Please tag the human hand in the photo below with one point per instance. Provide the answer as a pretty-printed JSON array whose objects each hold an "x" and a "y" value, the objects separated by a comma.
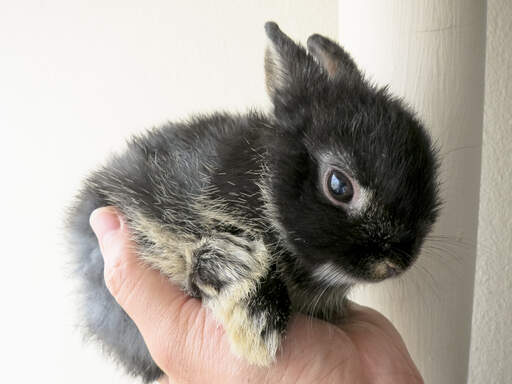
[{"x": 188, "y": 344}]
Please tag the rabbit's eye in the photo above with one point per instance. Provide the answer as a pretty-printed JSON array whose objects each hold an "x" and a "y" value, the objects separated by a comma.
[{"x": 339, "y": 186}]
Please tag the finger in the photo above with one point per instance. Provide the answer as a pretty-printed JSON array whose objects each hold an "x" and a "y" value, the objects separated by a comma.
[
  {"x": 357, "y": 313},
  {"x": 380, "y": 343}
]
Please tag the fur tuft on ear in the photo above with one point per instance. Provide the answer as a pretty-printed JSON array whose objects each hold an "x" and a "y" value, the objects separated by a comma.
[{"x": 333, "y": 59}]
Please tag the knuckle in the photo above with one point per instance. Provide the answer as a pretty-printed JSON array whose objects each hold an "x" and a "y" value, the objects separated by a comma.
[
  {"x": 118, "y": 266},
  {"x": 119, "y": 277},
  {"x": 115, "y": 278}
]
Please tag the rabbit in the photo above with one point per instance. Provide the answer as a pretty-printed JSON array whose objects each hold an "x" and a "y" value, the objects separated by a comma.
[{"x": 266, "y": 214}]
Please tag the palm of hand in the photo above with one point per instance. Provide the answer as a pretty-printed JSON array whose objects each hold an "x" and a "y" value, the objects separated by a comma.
[{"x": 365, "y": 349}]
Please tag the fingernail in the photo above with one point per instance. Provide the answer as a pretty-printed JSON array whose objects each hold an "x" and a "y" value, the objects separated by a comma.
[{"x": 104, "y": 221}]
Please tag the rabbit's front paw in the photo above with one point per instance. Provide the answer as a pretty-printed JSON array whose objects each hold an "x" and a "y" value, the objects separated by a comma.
[
  {"x": 255, "y": 325},
  {"x": 236, "y": 280},
  {"x": 253, "y": 336}
]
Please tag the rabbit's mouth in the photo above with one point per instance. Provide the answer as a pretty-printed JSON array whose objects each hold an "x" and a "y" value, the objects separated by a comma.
[{"x": 382, "y": 268}]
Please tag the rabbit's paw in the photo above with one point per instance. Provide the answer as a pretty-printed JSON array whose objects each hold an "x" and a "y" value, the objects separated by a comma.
[
  {"x": 227, "y": 263},
  {"x": 253, "y": 336},
  {"x": 236, "y": 280},
  {"x": 255, "y": 325}
]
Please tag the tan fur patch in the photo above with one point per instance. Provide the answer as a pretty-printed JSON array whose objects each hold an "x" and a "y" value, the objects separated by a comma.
[
  {"x": 171, "y": 253},
  {"x": 245, "y": 333}
]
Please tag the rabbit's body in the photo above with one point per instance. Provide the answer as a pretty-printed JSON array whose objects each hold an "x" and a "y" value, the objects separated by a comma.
[
  {"x": 207, "y": 183},
  {"x": 261, "y": 215}
]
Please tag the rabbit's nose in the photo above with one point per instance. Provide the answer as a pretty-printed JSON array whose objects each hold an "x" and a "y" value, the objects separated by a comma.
[{"x": 386, "y": 269}]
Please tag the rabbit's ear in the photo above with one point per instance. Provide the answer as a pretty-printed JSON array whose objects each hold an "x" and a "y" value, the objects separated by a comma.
[
  {"x": 287, "y": 65},
  {"x": 334, "y": 60}
]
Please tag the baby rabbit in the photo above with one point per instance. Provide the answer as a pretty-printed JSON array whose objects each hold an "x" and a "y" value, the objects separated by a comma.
[{"x": 261, "y": 215}]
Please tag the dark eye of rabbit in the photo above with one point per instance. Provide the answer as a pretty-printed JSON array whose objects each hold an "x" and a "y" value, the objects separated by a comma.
[{"x": 340, "y": 186}]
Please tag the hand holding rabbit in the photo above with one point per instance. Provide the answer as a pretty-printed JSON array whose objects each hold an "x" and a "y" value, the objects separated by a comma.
[{"x": 365, "y": 348}]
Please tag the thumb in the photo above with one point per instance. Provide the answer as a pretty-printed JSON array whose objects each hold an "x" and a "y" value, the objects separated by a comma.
[
  {"x": 120, "y": 263},
  {"x": 155, "y": 305}
]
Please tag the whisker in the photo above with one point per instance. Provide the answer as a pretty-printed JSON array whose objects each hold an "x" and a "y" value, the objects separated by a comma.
[
  {"x": 457, "y": 149},
  {"x": 424, "y": 274}
]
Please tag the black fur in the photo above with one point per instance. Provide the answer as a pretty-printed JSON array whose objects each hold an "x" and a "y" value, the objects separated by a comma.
[{"x": 266, "y": 171}]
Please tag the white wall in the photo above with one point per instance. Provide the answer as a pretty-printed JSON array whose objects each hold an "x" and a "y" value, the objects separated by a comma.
[
  {"x": 76, "y": 78},
  {"x": 491, "y": 337},
  {"x": 432, "y": 53}
]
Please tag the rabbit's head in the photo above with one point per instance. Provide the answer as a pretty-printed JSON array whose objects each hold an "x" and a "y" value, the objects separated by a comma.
[{"x": 351, "y": 184}]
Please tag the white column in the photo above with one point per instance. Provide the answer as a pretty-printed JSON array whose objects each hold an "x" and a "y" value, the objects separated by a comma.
[
  {"x": 431, "y": 53},
  {"x": 491, "y": 336}
]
